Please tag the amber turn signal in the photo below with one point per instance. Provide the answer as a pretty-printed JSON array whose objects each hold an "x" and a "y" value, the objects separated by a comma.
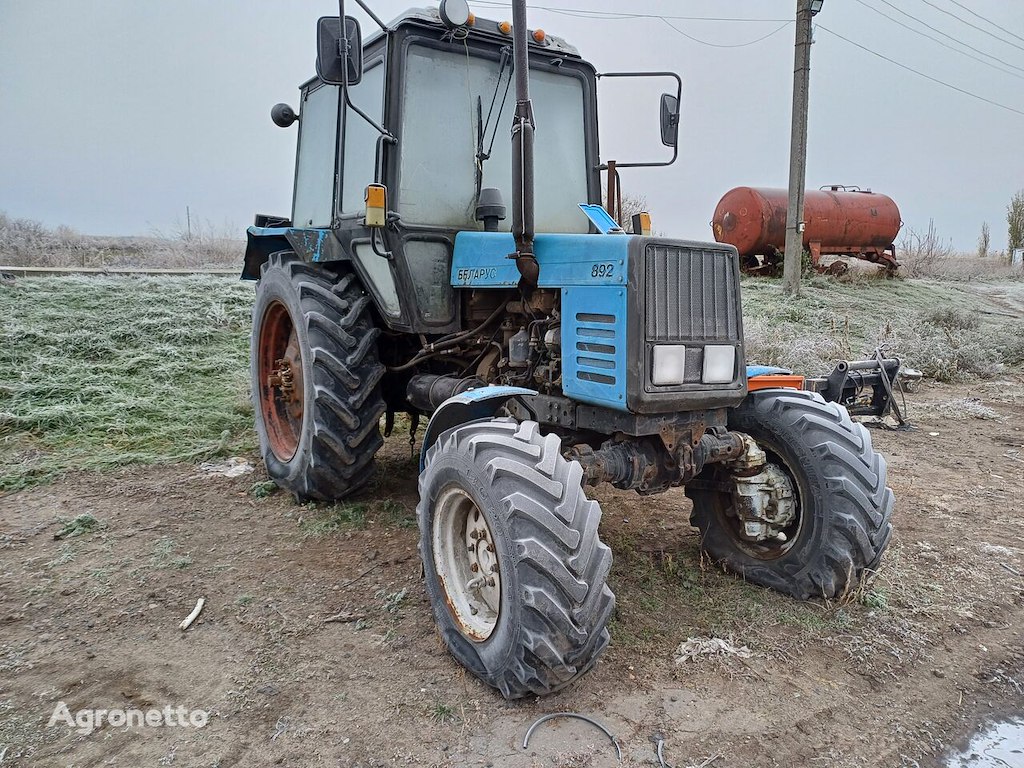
[{"x": 376, "y": 205}]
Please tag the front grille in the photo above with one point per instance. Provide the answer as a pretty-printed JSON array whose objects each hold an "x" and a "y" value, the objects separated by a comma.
[{"x": 690, "y": 294}]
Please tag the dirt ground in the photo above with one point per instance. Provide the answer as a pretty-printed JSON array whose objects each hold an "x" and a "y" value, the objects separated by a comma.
[{"x": 892, "y": 675}]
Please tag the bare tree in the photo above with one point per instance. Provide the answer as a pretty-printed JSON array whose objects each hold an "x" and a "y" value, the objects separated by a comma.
[
  {"x": 631, "y": 205},
  {"x": 1015, "y": 222},
  {"x": 984, "y": 240},
  {"x": 924, "y": 255}
]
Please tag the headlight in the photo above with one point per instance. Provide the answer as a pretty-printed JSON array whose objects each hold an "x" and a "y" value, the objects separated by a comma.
[
  {"x": 719, "y": 364},
  {"x": 668, "y": 364}
]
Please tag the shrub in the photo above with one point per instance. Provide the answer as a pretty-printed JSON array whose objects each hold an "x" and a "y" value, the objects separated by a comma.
[
  {"x": 944, "y": 344},
  {"x": 951, "y": 319},
  {"x": 28, "y": 243}
]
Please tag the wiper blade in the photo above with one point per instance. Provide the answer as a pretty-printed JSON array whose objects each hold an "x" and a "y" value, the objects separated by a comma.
[
  {"x": 479, "y": 127},
  {"x": 504, "y": 62}
]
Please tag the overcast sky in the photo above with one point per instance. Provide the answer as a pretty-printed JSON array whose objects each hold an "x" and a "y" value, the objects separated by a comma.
[{"x": 117, "y": 114}]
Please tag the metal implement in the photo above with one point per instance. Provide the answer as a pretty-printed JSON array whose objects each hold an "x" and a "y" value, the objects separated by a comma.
[
  {"x": 584, "y": 718},
  {"x": 838, "y": 221},
  {"x": 863, "y": 387}
]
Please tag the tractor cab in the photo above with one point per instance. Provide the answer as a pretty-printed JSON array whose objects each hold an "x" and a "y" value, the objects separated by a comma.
[{"x": 422, "y": 139}]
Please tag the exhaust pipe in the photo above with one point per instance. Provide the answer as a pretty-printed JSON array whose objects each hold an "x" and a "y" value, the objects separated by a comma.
[{"x": 522, "y": 154}]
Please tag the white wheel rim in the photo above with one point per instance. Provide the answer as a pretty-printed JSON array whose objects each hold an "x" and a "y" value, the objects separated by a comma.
[{"x": 466, "y": 562}]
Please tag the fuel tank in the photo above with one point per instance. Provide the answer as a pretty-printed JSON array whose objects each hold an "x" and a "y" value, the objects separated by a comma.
[{"x": 838, "y": 220}]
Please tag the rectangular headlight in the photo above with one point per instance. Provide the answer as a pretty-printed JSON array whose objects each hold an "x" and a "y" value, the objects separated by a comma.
[
  {"x": 668, "y": 364},
  {"x": 719, "y": 364}
]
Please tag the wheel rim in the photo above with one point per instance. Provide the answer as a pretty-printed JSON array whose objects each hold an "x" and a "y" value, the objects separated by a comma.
[
  {"x": 770, "y": 549},
  {"x": 466, "y": 562},
  {"x": 280, "y": 381}
]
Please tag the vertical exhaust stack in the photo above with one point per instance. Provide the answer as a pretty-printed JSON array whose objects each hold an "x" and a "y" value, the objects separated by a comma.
[{"x": 522, "y": 154}]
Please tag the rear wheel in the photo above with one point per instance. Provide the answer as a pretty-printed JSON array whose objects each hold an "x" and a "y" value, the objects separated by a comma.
[
  {"x": 514, "y": 568},
  {"x": 315, "y": 379},
  {"x": 843, "y": 508}
]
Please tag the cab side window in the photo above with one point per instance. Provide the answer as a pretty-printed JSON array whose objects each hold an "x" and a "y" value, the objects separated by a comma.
[{"x": 314, "y": 165}]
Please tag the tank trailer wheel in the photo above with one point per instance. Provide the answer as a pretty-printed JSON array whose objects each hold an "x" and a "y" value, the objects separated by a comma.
[
  {"x": 514, "y": 568},
  {"x": 315, "y": 379},
  {"x": 823, "y": 461}
]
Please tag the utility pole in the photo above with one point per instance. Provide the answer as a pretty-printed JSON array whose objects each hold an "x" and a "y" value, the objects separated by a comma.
[{"x": 805, "y": 11}]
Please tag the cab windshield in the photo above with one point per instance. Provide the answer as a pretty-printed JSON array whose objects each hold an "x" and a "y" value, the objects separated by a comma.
[{"x": 447, "y": 97}]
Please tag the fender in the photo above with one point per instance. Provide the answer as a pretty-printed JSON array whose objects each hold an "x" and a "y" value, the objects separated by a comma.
[
  {"x": 310, "y": 244},
  {"x": 468, "y": 406}
]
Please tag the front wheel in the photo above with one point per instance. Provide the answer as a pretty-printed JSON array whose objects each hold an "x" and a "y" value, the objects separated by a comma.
[
  {"x": 841, "y": 526},
  {"x": 514, "y": 569}
]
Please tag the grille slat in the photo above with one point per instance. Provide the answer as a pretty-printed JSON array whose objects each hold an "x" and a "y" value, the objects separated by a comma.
[
  {"x": 690, "y": 295},
  {"x": 597, "y": 364}
]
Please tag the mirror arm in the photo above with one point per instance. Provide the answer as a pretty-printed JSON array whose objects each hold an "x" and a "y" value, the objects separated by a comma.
[
  {"x": 679, "y": 100},
  {"x": 373, "y": 16},
  {"x": 343, "y": 48},
  {"x": 384, "y": 132}
]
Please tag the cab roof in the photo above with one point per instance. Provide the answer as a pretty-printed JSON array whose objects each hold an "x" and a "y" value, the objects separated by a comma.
[{"x": 481, "y": 27}]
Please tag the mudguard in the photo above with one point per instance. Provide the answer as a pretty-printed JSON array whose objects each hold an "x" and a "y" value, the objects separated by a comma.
[{"x": 468, "y": 406}]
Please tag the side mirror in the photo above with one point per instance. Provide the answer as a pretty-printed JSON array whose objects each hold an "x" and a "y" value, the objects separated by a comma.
[
  {"x": 669, "y": 119},
  {"x": 334, "y": 50}
]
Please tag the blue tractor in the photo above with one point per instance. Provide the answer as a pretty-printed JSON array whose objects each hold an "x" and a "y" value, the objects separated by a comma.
[{"x": 551, "y": 351}]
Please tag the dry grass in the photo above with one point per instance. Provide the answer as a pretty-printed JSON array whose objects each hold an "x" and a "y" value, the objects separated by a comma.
[
  {"x": 960, "y": 409},
  {"x": 27, "y": 243},
  {"x": 928, "y": 255},
  {"x": 949, "y": 344},
  {"x": 948, "y": 331}
]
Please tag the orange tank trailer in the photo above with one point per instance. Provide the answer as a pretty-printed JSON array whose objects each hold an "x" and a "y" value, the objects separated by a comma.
[{"x": 840, "y": 221}]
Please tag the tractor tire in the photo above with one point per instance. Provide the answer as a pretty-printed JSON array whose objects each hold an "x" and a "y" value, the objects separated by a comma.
[
  {"x": 315, "y": 379},
  {"x": 843, "y": 505},
  {"x": 499, "y": 504}
]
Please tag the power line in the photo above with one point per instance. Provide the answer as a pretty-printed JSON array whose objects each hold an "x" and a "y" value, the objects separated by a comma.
[
  {"x": 944, "y": 34},
  {"x": 921, "y": 74},
  {"x": 940, "y": 42},
  {"x": 612, "y": 15},
  {"x": 721, "y": 45},
  {"x": 989, "y": 21},
  {"x": 972, "y": 25},
  {"x": 618, "y": 15}
]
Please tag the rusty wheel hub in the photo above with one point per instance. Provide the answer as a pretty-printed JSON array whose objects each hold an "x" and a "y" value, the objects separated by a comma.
[{"x": 281, "y": 394}]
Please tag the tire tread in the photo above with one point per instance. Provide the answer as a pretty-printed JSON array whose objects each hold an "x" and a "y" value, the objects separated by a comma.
[
  {"x": 560, "y": 561},
  {"x": 859, "y": 516},
  {"x": 347, "y": 403}
]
